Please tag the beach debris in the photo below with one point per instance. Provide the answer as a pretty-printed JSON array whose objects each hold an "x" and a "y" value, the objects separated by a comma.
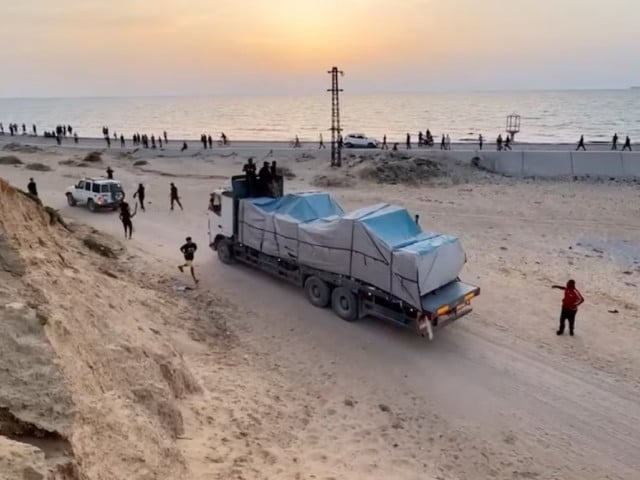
[
  {"x": 393, "y": 169},
  {"x": 93, "y": 157},
  {"x": 335, "y": 181},
  {"x": 16, "y": 147},
  {"x": 349, "y": 402},
  {"x": 615, "y": 310},
  {"x": 139, "y": 163},
  {"x": 10, "y": 160},
  {"x": 38, "y": 167},
  {"x": 384, "y": 408}
]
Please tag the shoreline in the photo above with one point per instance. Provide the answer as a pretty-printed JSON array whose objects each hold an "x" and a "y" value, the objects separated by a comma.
[{"x": 196, "y": 145}]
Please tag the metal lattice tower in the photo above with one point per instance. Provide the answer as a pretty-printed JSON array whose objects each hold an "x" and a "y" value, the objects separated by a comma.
[{"x": 336, "y": 147}]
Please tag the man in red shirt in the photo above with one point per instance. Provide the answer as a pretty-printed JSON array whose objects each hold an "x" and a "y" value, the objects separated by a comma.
[{"x": 572, "y": 299}]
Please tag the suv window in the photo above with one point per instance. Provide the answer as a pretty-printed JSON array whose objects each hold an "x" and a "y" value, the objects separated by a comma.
[
  {"x": 96, "y": 188},
  {"x": 87, "y": 186},
  {"x": 104, "y": 188},
  {"x": 80, "y": 184}
]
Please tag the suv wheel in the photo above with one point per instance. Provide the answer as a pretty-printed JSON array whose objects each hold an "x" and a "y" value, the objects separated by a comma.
[
  {"x": 91, "y": 205},
  {"x": 70, "y": 200}
]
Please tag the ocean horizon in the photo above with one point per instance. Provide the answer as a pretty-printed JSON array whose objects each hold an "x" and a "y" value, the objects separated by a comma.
[{"x": 547, "y": 116}]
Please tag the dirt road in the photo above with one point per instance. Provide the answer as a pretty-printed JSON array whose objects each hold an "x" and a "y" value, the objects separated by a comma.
[{"x": 475, "y": 400}]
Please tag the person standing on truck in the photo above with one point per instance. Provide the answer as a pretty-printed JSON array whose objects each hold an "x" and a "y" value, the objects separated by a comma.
[
  {"x": 173, "y": 195},
  {"x": 189, "y": 250},
  {"x": 249, "y": 170},
  {"x": 265, "y": 179},
  {"x": 570, "y": 303}
]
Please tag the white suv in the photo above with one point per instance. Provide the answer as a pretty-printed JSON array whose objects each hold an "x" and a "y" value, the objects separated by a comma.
[
  {"x": 95, "y": 193},
  {"x": 359, "y": 140}
]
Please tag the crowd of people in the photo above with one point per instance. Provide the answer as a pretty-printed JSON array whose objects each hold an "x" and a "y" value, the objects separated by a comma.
[{"x": 425, "y": 139}]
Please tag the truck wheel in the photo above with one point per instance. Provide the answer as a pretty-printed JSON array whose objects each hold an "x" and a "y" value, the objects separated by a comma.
[
  {"x": 225, "y": 251},
  {"x": 70, "y": 200},
  {"x": 318, "y": 292},
  {"x": 91, "y": 205},
  {"x": 345, "y": 304}
]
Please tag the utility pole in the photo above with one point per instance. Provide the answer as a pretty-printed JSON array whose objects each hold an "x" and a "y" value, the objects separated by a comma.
[{"x": 336, "y": 143}]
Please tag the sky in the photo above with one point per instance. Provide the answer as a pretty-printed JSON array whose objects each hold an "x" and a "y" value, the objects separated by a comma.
[{"x": 208, "y": 47}]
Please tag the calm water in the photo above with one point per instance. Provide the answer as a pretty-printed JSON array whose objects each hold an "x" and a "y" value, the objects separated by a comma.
[{"x": 546, "y": 116}]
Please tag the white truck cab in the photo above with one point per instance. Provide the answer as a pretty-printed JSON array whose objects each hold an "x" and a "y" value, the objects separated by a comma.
[{"x": 220, "y": 215}]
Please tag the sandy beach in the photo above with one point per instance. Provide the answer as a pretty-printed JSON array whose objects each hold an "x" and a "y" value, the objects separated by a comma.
[{"x": 266, "y": 386}]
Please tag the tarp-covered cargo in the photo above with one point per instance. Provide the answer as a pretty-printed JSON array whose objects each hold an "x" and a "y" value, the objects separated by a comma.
[{"x": 380, "y": 244}]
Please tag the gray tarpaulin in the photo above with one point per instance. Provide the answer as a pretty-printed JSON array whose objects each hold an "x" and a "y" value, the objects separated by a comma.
[{"x": 380, "y": 244}]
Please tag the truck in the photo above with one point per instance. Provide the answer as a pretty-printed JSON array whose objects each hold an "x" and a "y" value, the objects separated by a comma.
[{"x": 372, "y": 262}]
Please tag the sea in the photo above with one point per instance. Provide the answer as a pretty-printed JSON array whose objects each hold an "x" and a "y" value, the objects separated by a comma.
[{"x": 545, "y": 116}]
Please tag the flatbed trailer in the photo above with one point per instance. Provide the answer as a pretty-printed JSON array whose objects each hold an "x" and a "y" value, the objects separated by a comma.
[{"x": 349, "y": 298}]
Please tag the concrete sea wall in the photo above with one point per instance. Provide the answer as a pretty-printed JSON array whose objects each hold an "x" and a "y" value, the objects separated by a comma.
[{"x": 562, "y": 164}]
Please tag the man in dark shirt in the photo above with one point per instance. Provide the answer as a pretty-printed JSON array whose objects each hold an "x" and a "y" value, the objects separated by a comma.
[
  {"x": 189, "y": 250},
  {"x": 109, "y": 173},
  {"x": 140, "y": 195},
  {"x": 173, "y": 194},
  {"x": 32, "y": 188},
  {"x": 265, "y": 178},
  {"x": 125, "y": 217},
  {"x": 249, "y": 169},
  {"x": 570, "y": 303}
]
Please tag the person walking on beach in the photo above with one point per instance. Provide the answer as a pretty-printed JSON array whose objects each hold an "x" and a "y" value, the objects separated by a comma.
[
  {"x": 184, "y": 146},
  {"x": 384, "y": 142},
  {"x": 75, "y": 138},
  {"x": 32, "y": 187},
  {"x": 448, "y": 138},
  {"x": 581, "y": 144},
  {"x": 570, "y": 303},
  {"x": 499, "y": 142},
  {"x": 109, "y": 173},
  {"x": 507, "y": 143},
  {"x": 210, "y": 140},
  {"x": 153, "y": 141},
  {"x": 420, "y": 138},
  {"x": 173, "y": 195},
  {"x": 443, "y": 143},
  {"x": 223, "y": 138},
  {"x": 408, "y": 141},
  {"x": 614, "y": 142},
  {"x": 139, "y": 194},
  {"x": 35, "y": 130},
  {"x": 627, "y": 144},
  {"x": 189, "y": 251},
  {"x": 125, "y": 218},
  {"x": 321, "y": 143},
  {"x": 165, "y": 137},
  {"x": 121, "y": 141},
  {"x": 480, "y": 141},
  {"x": 159, "y": 142}
]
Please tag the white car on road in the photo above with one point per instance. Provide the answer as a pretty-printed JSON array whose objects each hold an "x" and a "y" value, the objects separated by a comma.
[
  {"x": 359, "y": 140},
  {"x": 95, "y": 193}
]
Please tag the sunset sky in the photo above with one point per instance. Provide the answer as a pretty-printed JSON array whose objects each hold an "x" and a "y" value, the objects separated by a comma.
[{"x": 167, "y": 47}]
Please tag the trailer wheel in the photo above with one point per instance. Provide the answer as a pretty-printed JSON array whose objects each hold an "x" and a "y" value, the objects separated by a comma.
[
  {"x": 345, "y": 304},
  {"x": 318, "y": 292},
  {"x": 225, "y": 252}
]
